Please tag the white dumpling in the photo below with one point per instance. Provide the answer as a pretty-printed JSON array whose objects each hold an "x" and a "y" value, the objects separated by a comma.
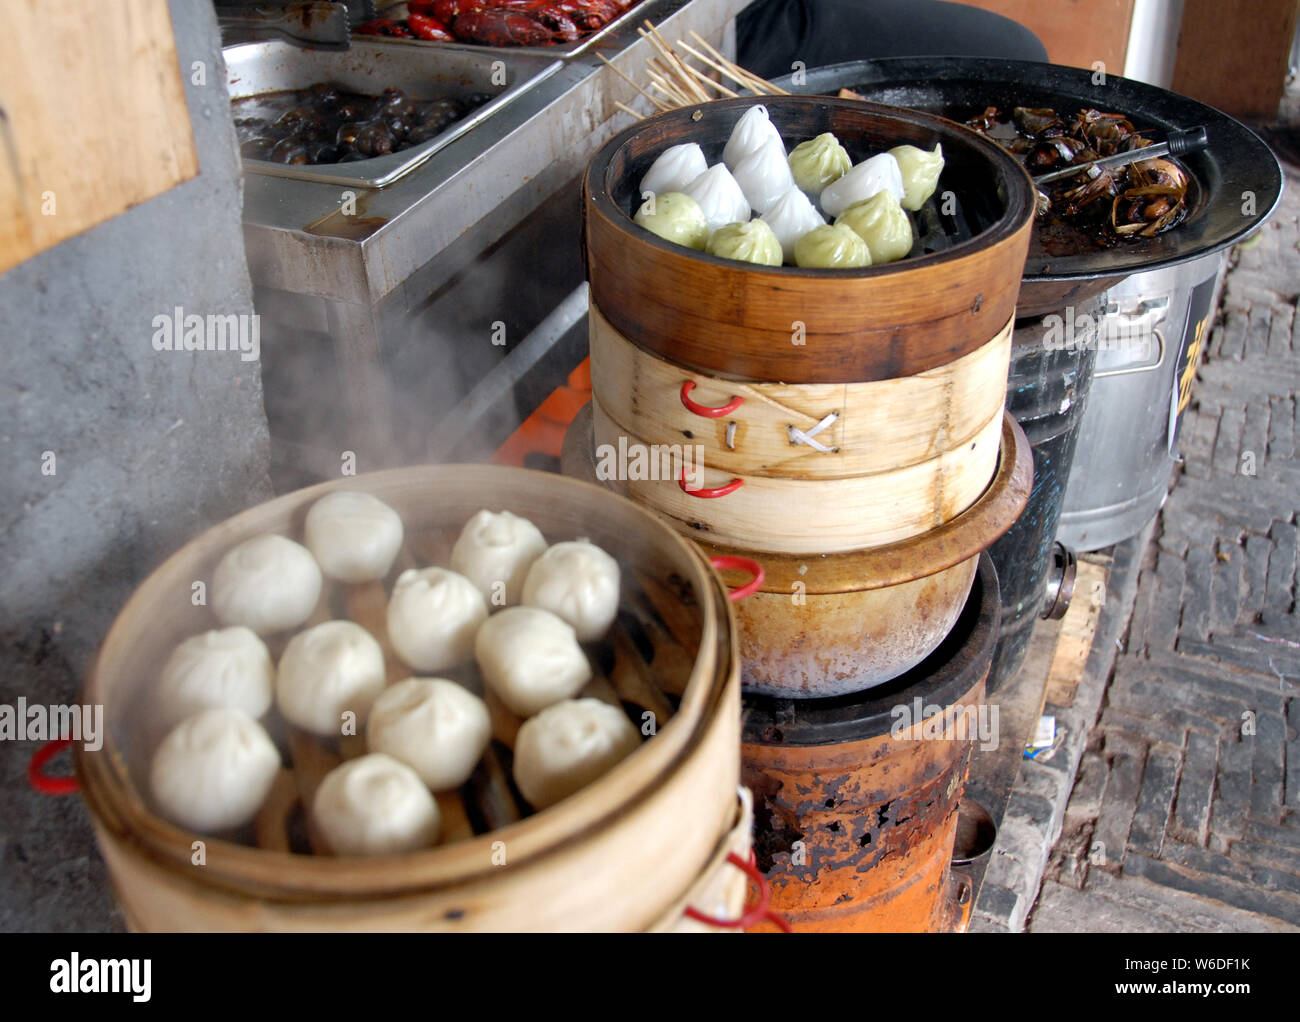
[
  {"x": 267, "y": 583},
  {"x": 764, "y": 176},
  {"x": 752, "y": 131},
  {"x": 374, "y": 805},
  {"x": 226, "y": 667},
  {"x": 353, "y": 536},
  {"x": 675, "y": 168},
  {"x": 433, "y": 616},
  {"x": 436, "y": 727},
  {"x": 862, "y": 182},
  {"x": 791, "y": 217},
  {"x": 213, "y": 771},
  {"x": 327, "y": 671},
  {"x": 569, "y": 745},
  {"x": 495, "y": 551},
  {"x": 530, "y": 659},
  {"x": 719, "y": 197},
  {"x": 578, "y": 582}
]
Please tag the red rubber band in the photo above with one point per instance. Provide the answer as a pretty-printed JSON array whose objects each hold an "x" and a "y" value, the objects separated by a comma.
[
  {"x": 750, "y": 916},
  {"x": 722, "y": 411},
  {"x": 42, "y": 781},
  {"x": 710, "y": 493},
  {"x": 729, "y": 562}
]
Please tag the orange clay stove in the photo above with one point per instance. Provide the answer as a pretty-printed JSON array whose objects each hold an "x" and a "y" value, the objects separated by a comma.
[{"x": 856, "y": 804}]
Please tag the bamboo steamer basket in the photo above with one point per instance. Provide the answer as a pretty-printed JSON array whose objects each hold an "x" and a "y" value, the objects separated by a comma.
[
  {"x": 758, "y": 429},
  {"x": 856, "y": 805},
  {"x": 740, "y": 321},
  {"x": 628, "y": 852},
  {"x": 830, "y": 624},
  {"x": 803, "y": 516}
]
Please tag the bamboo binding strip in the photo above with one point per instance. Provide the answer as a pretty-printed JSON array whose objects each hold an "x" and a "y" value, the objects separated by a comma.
[
  {"x": 873, "y": 427},
  {"x": 797, "y": 516}
]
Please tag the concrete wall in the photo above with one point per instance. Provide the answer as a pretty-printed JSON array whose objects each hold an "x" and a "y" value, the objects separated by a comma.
[{"x": 149, "y": 448}]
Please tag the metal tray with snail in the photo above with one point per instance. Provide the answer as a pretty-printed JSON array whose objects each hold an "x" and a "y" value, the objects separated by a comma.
[{"x": 1236, "y": 182}]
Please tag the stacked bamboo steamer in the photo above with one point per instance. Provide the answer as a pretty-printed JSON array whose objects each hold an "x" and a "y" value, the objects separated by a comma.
[
  {"x": 652, "y": 845},
  {"x": 849, "y": 423}
]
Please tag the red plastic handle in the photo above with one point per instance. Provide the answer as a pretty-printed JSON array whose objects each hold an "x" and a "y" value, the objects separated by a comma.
[
  {"x": 722, "y": 411},
  {"x": 756, "y": 913},
  {"x": 710, "y": 493},
  {"x": 42, "y": 781},
  {"x": 730, "y": 562}
]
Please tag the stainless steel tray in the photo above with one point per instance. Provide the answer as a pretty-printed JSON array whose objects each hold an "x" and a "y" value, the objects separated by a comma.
[
  {"x": 625, "y": 23},
  {"x": 274, "y": 66}
]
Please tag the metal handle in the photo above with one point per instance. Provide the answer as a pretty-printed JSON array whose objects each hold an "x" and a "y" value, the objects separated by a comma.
[
  {"x": 710, "y": 492},
  {"x": 43, "y": 782},
  {"x": 721, "y": 412},
  {"x": 1192, "y": 140},
  {"x": 729, "y": 562},
  {"x": 1160, "y": 337}
]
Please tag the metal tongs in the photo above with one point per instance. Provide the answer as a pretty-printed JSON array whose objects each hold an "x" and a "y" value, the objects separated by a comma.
[
  {"x": 317, "y": 23},
  {"x": 1179, "y": 143}
]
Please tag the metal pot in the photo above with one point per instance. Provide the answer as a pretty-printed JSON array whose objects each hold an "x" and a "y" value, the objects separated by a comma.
[{"x": 1152, "y": 333}]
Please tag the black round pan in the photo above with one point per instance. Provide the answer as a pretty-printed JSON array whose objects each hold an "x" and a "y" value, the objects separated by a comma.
[{"x": 1237, "y": 179}]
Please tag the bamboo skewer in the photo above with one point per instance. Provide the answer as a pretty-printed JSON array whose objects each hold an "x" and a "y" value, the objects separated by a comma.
[
  {"x": 658, "y": 103},
  {"x": 757, "y": 84}
]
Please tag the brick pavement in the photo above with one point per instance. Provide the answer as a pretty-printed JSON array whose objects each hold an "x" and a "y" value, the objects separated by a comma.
[{"x": 1185, "y": 814}]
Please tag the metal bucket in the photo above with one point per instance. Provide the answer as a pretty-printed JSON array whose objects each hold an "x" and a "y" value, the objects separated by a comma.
[
  {"x": 1153, "y": 330},
  {"x": 1051, "y": 371},
  {"x": 856, "y": 808}
]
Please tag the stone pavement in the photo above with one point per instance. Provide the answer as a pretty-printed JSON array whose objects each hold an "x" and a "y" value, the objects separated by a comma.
[{"x": 1185, "y": 814}]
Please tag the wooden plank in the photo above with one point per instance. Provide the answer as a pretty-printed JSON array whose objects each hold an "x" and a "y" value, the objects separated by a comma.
[
  {"x": 1075, "y": 32},
  {"x": 1074, "y": 640},
  {"x": 1236, "y": 59},
  {"x": 92, "y": 117}
]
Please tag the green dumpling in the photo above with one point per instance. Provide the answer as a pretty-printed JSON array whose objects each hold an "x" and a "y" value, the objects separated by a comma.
[
  {"x": 819, "y": 162},
  {"x": 882, "y": 224},
  {"x": 831, "y": 247},
  {"x": 751, "y": 242},
  {"x": 921, "y": 172},
  {"x": 674, "y": 217}
]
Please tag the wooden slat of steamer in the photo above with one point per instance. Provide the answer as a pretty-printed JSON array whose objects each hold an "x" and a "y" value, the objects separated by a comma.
[
  {"x": 821, "y": 515},
  {"x": 636, "y": 681},
  {"x": 455, "y": 825},
  {"x": 272, "y": 823},
  {"x": 879, "y": 426},
  {"x": 312, "y": 760}
]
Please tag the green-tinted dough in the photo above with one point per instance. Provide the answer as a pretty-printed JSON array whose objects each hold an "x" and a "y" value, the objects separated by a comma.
[
  {"x": 882, "y": 224},
  {"x": 831, "y": 247},
  {"x": 921, "y": 172},
  {"x": 674, "y": 217},
  {"x": 818, "y": 162},
  {"x": 751, "y": 242}
]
